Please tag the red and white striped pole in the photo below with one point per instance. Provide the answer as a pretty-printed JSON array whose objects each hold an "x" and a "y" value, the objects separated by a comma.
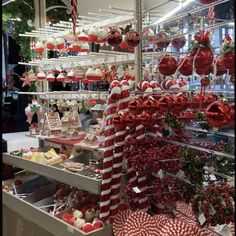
[
  {"x": 74, "y": 14},
  {"x": 112, "y": 99},
  {"x": 118, "y": 161}
]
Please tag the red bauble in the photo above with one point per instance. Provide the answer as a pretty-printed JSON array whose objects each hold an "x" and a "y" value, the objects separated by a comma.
[
  {"x": 209, "y": 98},
  {"x": 145, "y": 119},
  {"x": 88, "y": 227},
  {"x": 132, "y": 39},
  {"x": 204, "y": 70},
  {"x": 205, "y": 81},
  {"x": 69, "y": 218},
  {"x": 167, "y": 65},
  {"x": 206, "y": 1},
  {"x": 179, "y": 103},
  {"x": 217, "y": 114},
  {"x": 39, "y": 50},
  {"x": 136, "y": 107},
  {"x": 228, "y": 60},
  {"x": 203, "y": 57},
  {"x": 187, "y": 66},
  {"x": 150, "y": 106},
  {"x": 231, "y": 115},
  {"x": 165, "y": 104},
  {"x": 98, "y": 225},
  {"x": 220, "y": 68},
  {"x": 178, "y": 42},
  {"x": 114, "y": 38},
  {"x": 196, "y": 100},
  {"x": 162, "y": 40}
]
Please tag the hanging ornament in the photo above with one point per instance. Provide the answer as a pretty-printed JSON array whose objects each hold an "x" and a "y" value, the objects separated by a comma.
[
  {"x": 92, "y": 35},
  {"x": 82, "y": 37},
  {"x": 26, "y": 81},
  {"x": 202, "y": 50},
  {"x": 178, "y": 42},
  {"x": 60, "y": 43},
  {"x": 161, "y": 40},
  {"x": 164, "y": 104},
  {"x": 114, "y": 37},
  {"x": 228, "y": 54},
  {"x": 74, "y": 47},
  {"x": 171, "y": 84},
  {"x": 167, "y": 65},
  {"x": 148, "y": 35},
  {"x": 183, "y": 85},
  {"x": 217, "y": 114},
  {"x": 50, "y": 77},
  {"x": 205, "y": 81},
  {"x": 51, "y": 44},
  {"x": 61, "y": 77},
  {"x": 39, "y": 47},
  {"x": 204, "y": 70},
  {"x": 123, "y": 44},
  {"x": 186, "y": 66},
  {"x": 41, "y": 76},
  {"x": 70, "y": 37},
  {"x": 220, "y": 68},
  {"x": 84, "y": 47},
  {"x": 79, "y": 73},
  {"x": 102, "y": 36},
  {"x": 71, "y": 76},
  {"x": 132, "y": 39}
]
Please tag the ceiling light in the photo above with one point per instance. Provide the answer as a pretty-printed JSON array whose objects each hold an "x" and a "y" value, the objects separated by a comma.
[
  {"x": 18, "y": 19},
  {"x": 6, "y": 2},
  {"x": 171, "y": 13}
]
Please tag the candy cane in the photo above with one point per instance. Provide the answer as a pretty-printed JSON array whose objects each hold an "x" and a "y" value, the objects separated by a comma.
[
  {"x": 142, "y": 180},
  {"x": 108, "y": 153},
  {"x": 119, "y": 147}
]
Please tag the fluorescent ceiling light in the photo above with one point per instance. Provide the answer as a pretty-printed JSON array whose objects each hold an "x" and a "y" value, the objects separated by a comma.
[
  {"x": 6, "y": 2},
  {"x": 171, "y": 13}
]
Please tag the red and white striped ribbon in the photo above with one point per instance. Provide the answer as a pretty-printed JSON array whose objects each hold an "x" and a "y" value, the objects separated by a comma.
[
  {"x": 118, "y": 162},
  {"x": 74, "y": 14},
  {"x": 108, "y": 153},
  {"x": 211, "y": 16}
]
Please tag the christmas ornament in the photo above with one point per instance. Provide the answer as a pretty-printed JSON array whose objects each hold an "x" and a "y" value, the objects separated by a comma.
[
  {"x": 164, "y": 104},
  {"x": 92, "y": 35},
  {"x": 220, "y": 68},
  {"x": 41, "y": 76},
  {"x": 204, "y": 70},
  {"x": 87, "y": 227},
  {"x": 119, "y": 222},
  {"x": 82, "y": 37},
  {"x": 50, "y": 77},
  {"x": 102, "y": 34},
  {"x": 149, "y": 34},
  {"x": 231, "y": 115},
  {"x": 51, "y": 44},
  {"x": 161, "y": 40},
  {"x": 84, "y": 47},
  {"x": 71, "y": 76},
  {"x": 132, "y": 38},
  {"x": 232, "y": 79},
  {"x": 114, "y": 37},
  {"x": 74, "y": 47},
  {"x": 178, "y": 42},
  {"x": 217, "y": 114},
  {"x": 60, "y": 43},
  {"x": 39, "y": 47},
  {"x": 167, "y": 65},
  {"x": 205, "y": 81},
  {"x": 186, "y": 66}
]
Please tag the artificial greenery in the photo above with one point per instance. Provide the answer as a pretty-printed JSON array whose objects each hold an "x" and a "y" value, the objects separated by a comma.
[
  {"x": 171, "y": 121},
  {"x": 25, "y": 10}
]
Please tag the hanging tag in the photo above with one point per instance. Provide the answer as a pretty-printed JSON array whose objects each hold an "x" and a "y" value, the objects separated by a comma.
[
  {"x": 70, "y": 229},
  {"x": 202, "y": 219},
  {"x": 160, "y": 174},
  {"x": 213, "y": 177},
  {"x": 180, "y": 174},
  {"x": 223, "y": 230},
  {"x": 136, "y": 190},
  {"x": 212, "y": 210}
]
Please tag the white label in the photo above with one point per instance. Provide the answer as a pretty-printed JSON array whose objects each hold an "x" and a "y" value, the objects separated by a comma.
[
  {"x": 33, "y": 131},
  {"x": 202, "y": 219},
  {"x": 160, "y": 174},
  {"x": 212, "y": 210},
  {"x": 136, "y": 190},
  {"x": 180, "y": 174},
  {"x": 224, "y": 230},
  {"x": 70, "y": 229},
  {"x": 212, "y": 177}
]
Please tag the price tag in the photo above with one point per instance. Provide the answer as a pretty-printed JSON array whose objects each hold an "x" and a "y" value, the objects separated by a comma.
[
  {"x": 180, "y": 174},
  {"x": 70, "y": 229},
  {"x": 160, "y": 174},
  {"x": 202, "y": 219},
  {"x": 223, "y": 230},
  {"x": 212, "y": 177},
  {"x": 136, "y": 190}
]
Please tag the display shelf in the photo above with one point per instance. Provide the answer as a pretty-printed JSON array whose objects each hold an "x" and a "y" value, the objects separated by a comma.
[
  {"x": 85, "y": 146},
  {"x": 48, "y": 222},
  {"x": 201, "y": 149},
  {"x": 91, "y": 185}
]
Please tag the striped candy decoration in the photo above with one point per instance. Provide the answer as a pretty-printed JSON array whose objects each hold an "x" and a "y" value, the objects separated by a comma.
[
  {"x": 74, "y": 14},
  {"x": 112, "y": 99},
  {"x": 120, "y": 133},
  {"x": 211, "y": 16},
  {"x": 119, "y": 222}
]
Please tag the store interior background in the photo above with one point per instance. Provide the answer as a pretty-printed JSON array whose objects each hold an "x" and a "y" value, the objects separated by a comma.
[{"x": 13, "y": 105}]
